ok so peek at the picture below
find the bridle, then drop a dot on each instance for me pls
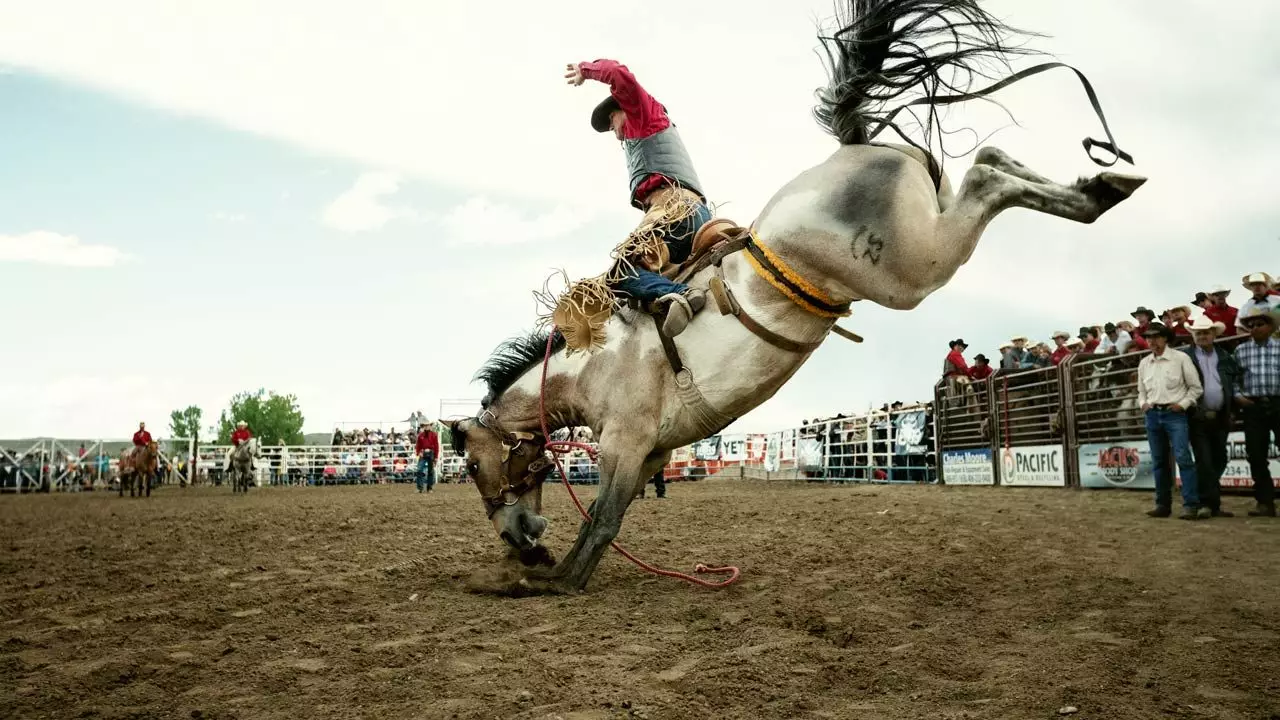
(521, 443)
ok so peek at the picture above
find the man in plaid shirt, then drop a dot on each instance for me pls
(1259, 398)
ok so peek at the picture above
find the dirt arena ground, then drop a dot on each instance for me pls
(855, 602)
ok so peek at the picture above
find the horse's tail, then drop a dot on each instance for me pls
(885, 48)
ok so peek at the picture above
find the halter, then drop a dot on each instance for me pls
(509, 492)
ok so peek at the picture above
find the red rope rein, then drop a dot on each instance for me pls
(558, 447)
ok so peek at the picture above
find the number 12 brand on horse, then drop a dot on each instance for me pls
(873, 221)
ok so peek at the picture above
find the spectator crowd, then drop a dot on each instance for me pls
(1127, 335)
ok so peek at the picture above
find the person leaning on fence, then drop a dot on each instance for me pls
(428, 449)
(1259, 400)
(1209, 422)
(1168, 387)
(981, 369)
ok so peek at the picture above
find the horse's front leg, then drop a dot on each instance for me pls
(622, 470)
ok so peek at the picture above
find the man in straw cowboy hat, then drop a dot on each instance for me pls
(1259, 284)
(1209, 422)
(1259, 400)
(1168, 387)
(663, 184)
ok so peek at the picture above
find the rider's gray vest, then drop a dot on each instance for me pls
(662, 153)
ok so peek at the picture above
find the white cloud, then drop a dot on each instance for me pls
(361, 209)
(447, 95)
(482, 222)
(50, 248)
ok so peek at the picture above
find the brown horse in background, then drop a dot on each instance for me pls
(139, 463)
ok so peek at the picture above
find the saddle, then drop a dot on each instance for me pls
(716, 237)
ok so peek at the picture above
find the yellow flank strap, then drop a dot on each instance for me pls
(795, 279)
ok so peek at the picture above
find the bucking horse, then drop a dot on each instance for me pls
(242, 457)
(873, 221)
(138, 464)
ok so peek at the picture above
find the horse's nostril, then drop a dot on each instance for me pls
(535, 525)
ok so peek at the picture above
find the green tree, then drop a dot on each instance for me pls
(185, 423)
(271, 417)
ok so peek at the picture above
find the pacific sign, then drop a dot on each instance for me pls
(1035, 465)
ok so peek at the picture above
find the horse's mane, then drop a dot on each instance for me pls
(512, 359)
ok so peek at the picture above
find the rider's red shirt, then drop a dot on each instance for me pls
(955, 360)
(980, 372)
(645, 115)
(240, 435)
(142, 437)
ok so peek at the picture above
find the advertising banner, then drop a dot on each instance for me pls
(1033, 465)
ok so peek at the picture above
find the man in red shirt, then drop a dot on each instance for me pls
(663, 184)
(1217, 309)
(1060, 339)
(238, 436)
(428, 449)
(955, 364)
(981, 369)
(1089, 336)
(141, 438)
(241, 434)
(1145, 317)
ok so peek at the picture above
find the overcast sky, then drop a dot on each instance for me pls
(353, 201)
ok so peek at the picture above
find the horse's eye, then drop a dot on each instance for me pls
(473, 468)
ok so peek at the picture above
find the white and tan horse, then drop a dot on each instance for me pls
(868, 223)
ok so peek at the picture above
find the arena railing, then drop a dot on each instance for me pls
(894, 446)
(56, 464)
(1074, 425)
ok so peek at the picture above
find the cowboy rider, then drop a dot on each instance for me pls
(240, 435)
(142, 438)
(663, 184)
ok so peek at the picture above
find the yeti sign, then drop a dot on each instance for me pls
(1033, 465)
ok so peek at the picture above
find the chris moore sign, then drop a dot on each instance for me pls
(1033, 465)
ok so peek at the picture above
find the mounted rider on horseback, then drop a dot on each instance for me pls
(663, 184)
(239, 436)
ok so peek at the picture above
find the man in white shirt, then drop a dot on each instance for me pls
(1169, 386)
(1114, 340)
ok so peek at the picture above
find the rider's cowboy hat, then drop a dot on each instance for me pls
(1060, 334)
(958, 343)
(1204, 323)
(1126, 325)
(980, 358)
(1158, 329)
(1143, 309)
(1258, 277)
(600, 116)
(1219, 290)
(1016, 338)
(1005, 346)
(1075, 342)
(1186, 309)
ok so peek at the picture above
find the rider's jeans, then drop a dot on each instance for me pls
(647, 286)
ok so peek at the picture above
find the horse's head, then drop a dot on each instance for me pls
(508, 469)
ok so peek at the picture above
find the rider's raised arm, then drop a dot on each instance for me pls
(634, 100)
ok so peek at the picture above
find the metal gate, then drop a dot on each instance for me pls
(23, 471)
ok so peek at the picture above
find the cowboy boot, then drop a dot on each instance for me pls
(681, 309)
